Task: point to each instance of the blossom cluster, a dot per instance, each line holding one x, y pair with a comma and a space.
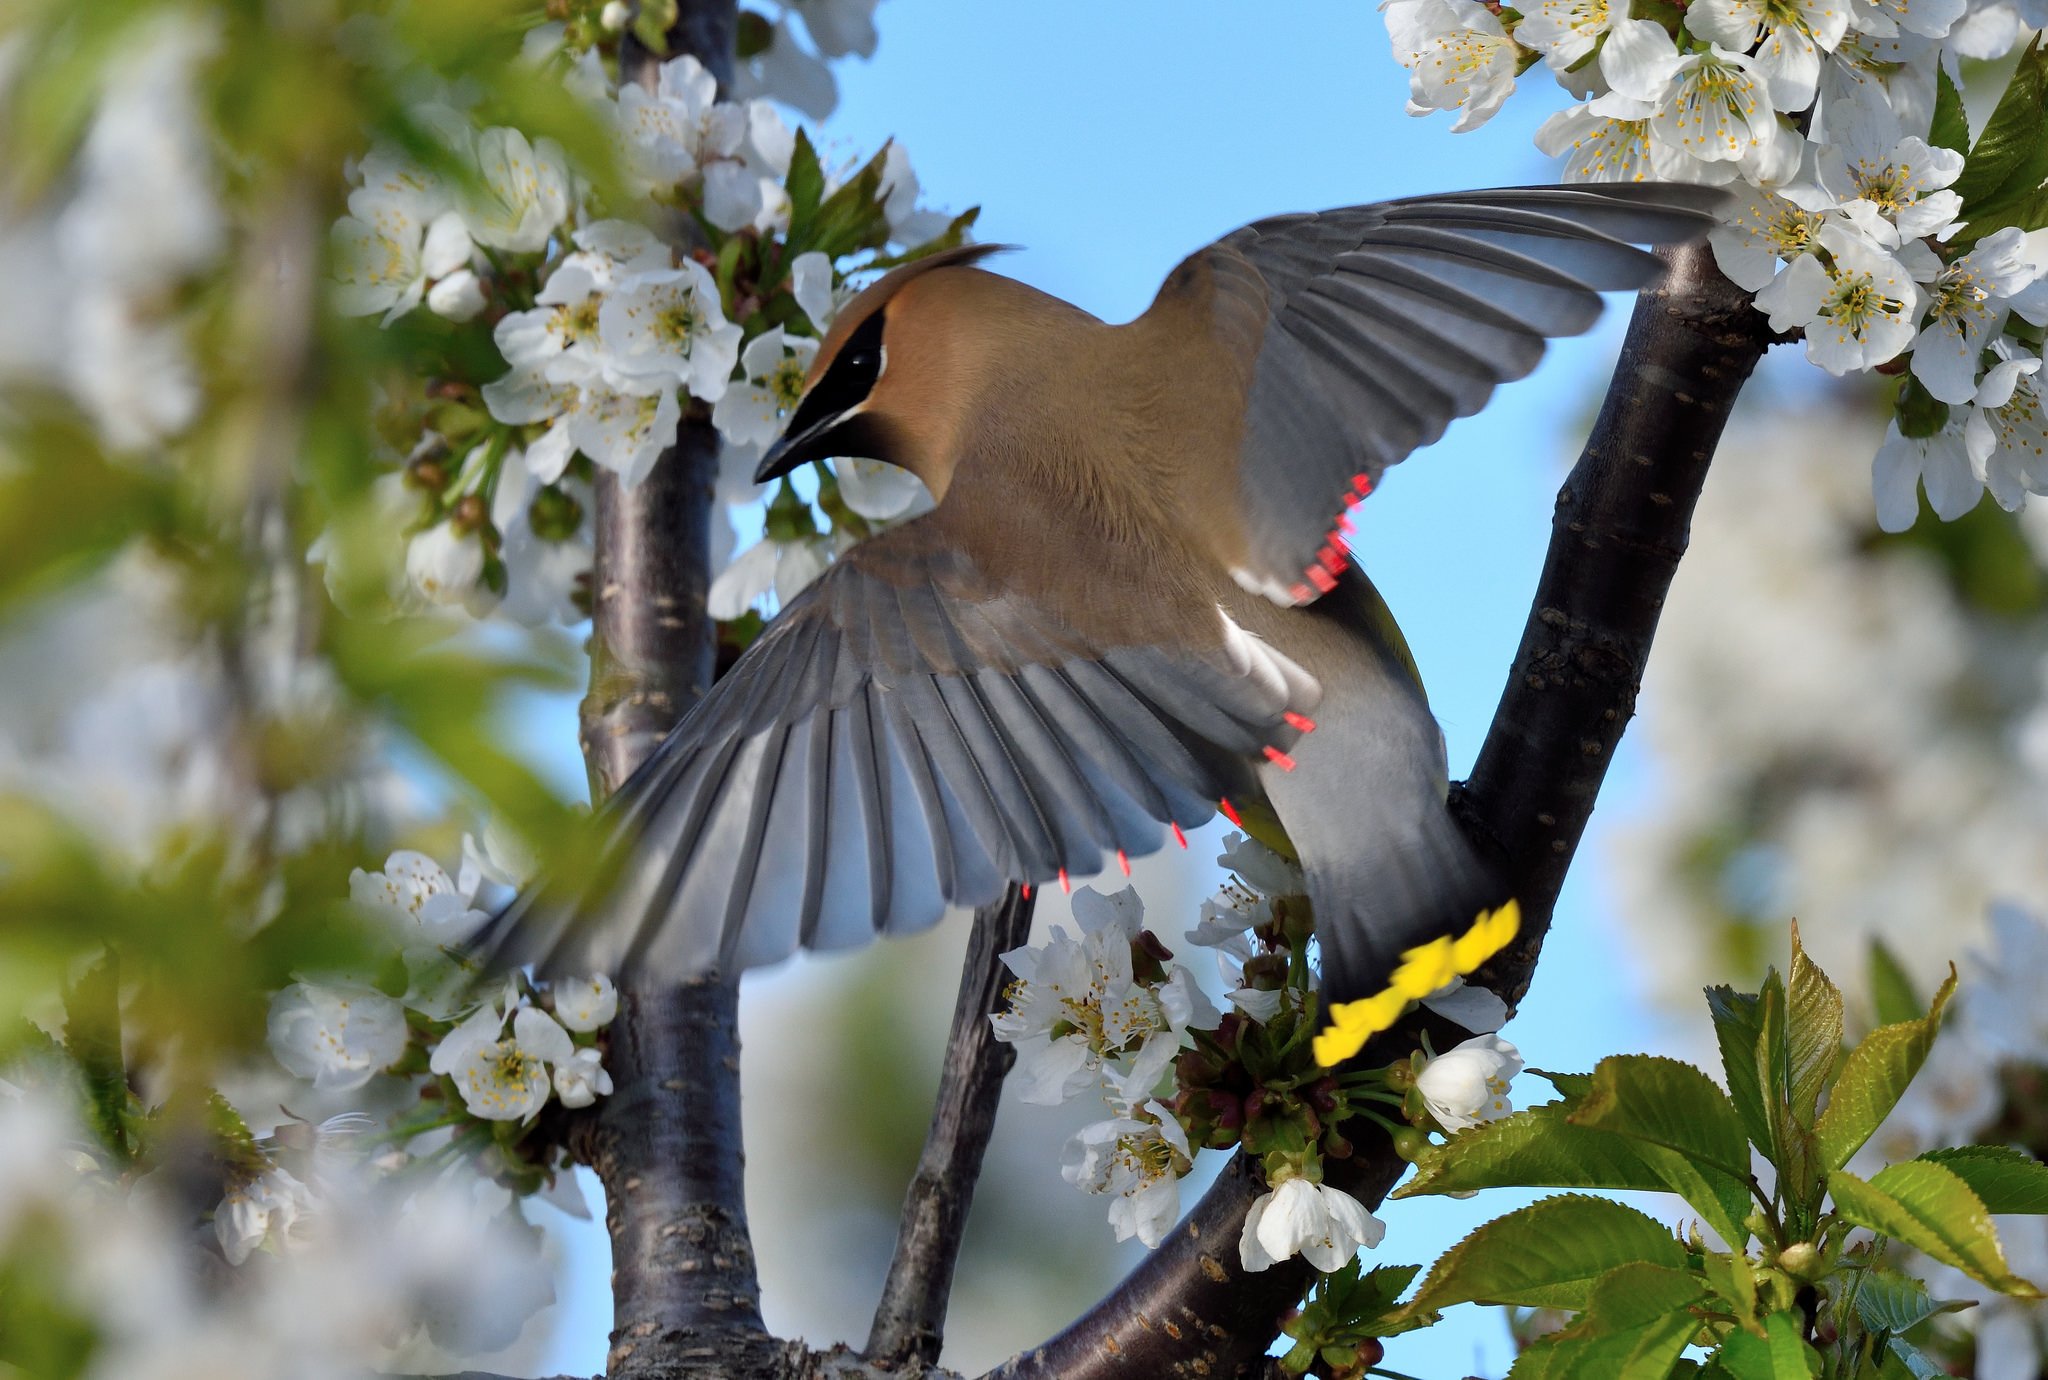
490, 1059
1109, 1009
96, 281
609, 333
1864, 217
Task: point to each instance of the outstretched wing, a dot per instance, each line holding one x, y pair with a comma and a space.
1360, 334
906, 735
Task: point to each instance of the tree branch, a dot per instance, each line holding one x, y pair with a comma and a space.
1621, 526
666, 1144
910, 1321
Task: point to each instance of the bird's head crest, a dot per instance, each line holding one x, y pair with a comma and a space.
833, 417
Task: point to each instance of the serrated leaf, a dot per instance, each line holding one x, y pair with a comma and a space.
1665, 1102
2003, 1178
1570, 1086
1951, 121
1546, 1255
1873, 1078
1892, 994
1888, 1301
92, 1037
1917, 1363
1533, 1148
1813, 1032
2010, 158
1732, 1277
1931, 1209
1738, 1026
805, 184
1637, 1320
1685, 1131
1780, 1354
952, 237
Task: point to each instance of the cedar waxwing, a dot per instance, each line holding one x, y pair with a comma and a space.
1131, 607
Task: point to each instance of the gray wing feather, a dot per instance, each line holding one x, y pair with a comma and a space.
890, 747
1385, 323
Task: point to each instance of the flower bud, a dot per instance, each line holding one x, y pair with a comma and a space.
1801, 1260
615, 15
554, 515
1410, 1144
470, 513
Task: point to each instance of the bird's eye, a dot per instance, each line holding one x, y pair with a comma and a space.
860, 359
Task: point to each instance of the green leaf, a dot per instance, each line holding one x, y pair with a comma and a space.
1637, 1320
1931, 1209
1738, 1025
952, 237
1874, 1077
1732, 1277
805, 183
1685, 1130
1888, 1301
1546, 1255
1534, 1148
1951, 122
1891, 989
92, 1035
2005, 1179
2010, 158
1781, 1354
1813, 1032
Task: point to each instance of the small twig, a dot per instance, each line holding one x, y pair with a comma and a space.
911, 1318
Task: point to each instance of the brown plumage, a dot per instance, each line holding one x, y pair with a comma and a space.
1131, 603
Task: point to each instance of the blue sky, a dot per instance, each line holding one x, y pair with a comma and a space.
1108, 140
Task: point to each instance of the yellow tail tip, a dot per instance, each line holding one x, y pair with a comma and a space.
1425, 969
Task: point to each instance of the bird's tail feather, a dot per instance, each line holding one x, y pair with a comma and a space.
1415, 906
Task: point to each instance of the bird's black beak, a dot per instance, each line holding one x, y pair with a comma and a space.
803, 440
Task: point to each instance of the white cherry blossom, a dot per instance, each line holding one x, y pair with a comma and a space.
261, 1211
668, 325
1468, 1083
445, 565
909, 223
1793, 33
581, 1079
585, 1003
673, 132
338, 1035
1857, 311
879, 491
1325, 1226
1607, 139
1458, 57
784, 567
1764, 229
1139, 1159
1565, 31
1966, 308
1941, 462
1865, 159
2006, 430
458, 297
542, 573
1713, 106
524, 195
810, 282
772, 372
421, 896
386, 253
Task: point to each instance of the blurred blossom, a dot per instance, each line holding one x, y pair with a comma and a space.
1833, 722
430, 907
585, 1003
338, 1035
260, 1212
